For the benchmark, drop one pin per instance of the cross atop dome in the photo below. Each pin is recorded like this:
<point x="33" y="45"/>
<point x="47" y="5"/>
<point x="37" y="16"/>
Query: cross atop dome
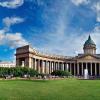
<point x="89" y="38"/>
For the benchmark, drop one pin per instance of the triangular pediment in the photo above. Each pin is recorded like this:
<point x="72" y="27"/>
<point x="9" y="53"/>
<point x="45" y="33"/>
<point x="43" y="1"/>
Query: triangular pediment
<point x="88" y="57"/>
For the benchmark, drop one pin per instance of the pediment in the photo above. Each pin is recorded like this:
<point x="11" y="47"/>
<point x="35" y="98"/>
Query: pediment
<point x="87" y="57"/>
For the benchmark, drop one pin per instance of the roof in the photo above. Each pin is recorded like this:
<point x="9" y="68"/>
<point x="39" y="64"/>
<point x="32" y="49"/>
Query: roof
<point x="89" y="42"/>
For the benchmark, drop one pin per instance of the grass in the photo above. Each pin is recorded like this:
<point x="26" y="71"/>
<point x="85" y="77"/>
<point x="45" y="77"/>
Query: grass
<point x="70" y="89"/>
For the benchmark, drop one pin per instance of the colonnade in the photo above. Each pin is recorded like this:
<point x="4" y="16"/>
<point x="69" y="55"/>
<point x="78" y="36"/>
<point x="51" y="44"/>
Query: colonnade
<point x="47" y="67"/>
<point x="76" y="68"/>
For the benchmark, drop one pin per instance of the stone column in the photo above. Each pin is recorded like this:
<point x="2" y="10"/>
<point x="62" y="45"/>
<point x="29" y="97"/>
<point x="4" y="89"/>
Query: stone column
<point x="51" y="66"/>
<point x="47" y="67"/>
<point x="71" y="68"/>
<point x="39" y="65"/>
<point x="32" y="63"/>
<point x="67" y="66"/>
<point x="43" y="67"/>
<point x="58" y="66"/>
<point x="62" y="66"/>
<point x="35" y="64"/>
<point x="77" y="68"/>
<point x="74" y="70"/>
<point x="55" y="65"/>
<point x="29" y="62"/>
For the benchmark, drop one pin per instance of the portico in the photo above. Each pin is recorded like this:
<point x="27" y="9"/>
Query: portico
<point x="93" y="68"/>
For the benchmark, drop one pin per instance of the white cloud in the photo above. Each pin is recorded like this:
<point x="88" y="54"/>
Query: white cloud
<point x="13" y="40"/>
<point x="95" y="5"/>
<point x="96" y="8"/>
<point x="8" y="21"/>
<point x="78" y="2"/>
<point x="2" y="36"/>
<point x="12" y="3"/>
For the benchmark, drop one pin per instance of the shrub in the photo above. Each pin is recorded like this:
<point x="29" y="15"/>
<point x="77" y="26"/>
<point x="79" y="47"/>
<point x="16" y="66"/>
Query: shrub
<point x="61" y="73"/>
<point x="33" y="72"/>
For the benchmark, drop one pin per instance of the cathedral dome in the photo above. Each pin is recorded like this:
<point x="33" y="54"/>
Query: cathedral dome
<point x="89" y="46"/>
<point x="89" y="42"/>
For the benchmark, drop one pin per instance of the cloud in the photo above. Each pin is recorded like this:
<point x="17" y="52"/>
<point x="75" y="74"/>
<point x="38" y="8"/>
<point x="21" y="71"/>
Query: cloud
<point x="79" y="2"/>
<point x="70" y="44"/>
<point x="12" y="40"/>
<point x="8" y="21"/>
<point x="94" y="4"/>
<point x="96" y="8"/>
<point x="2" y="36"/>
<point x="15" y="40"/>
<point x="60" y="40"/>
<point x="12" y="3"/>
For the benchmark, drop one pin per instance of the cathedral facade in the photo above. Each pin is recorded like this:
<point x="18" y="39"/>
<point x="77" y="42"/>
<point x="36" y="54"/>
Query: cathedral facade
<point x="44" y="63"/>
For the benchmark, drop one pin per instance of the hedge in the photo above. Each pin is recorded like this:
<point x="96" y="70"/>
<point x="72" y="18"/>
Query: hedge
<point x="17" y="71"/>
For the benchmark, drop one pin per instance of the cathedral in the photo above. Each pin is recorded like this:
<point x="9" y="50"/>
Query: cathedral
<point x="45" y="63"/>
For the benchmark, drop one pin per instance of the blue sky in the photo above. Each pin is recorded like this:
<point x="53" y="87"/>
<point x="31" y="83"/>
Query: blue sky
<point x="50" y="26"/>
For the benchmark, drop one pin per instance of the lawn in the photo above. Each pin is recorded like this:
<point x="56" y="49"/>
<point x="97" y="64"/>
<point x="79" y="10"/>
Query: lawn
<point x="69" y="89"/>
